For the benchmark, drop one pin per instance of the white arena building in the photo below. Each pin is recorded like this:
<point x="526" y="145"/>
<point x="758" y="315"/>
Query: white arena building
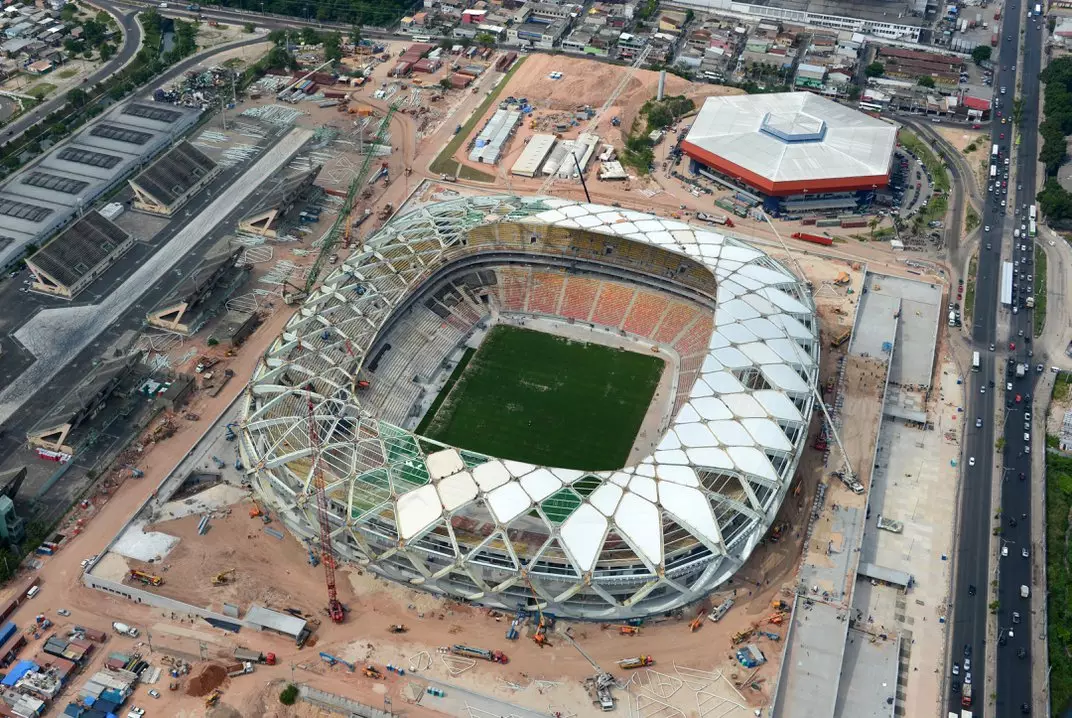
<point x="737" y="329"/>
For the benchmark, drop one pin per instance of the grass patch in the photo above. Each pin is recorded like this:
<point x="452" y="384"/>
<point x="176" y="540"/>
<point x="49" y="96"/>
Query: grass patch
<point x="69" y="72"/>
<point x="971" y="220"/>
<point x="445" y="162"/>
<point x="1061" y="386"/>
<point x="41" y="90"/>
<point x="546" y="400"/>
<point x="447" y="388"/>
<point x="937" y="206"/>
<point x="1040" y="290"/>
<point x="968" y="307"/>
<point x="923" y="151"/>
<point x="1059" y="578"/>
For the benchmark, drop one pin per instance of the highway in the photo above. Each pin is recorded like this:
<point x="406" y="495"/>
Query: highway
<point x="124" y="54"/>
<point x="972" y="590"/>
<point x="1013" y="680"/>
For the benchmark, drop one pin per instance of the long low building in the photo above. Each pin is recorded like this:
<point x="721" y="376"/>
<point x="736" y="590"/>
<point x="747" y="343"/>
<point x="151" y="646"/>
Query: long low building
<point x="169" y="182"/>
<point x="489" y="144"/>
<point x="533" y="156"/>
<point x="48" y="193"/>
<point x="78" y="255"/>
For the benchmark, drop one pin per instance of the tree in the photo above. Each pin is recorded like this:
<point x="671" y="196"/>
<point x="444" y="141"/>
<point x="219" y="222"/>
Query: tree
<point x="332" y="46"/>
<point x="249" y="28"/>
<point x="926" y="81"/>
<point x="445" y="83"/>
<point x="289" y="695"/>
<point x="485" y="38"/>
<point x="77" y="97"/>
<point x="875" y="69"/>
<point x="103" y="18"/>
<point x="873" y="224"/>
<point x="355" y="34"/>
<point x="310" y="36"/>
<point x="68" y="12"/>
<point x="981" y="54"/>
<point x="106" y="52"/>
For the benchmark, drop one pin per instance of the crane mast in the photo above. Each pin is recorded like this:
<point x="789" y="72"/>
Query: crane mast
<point x="327" y="558"/>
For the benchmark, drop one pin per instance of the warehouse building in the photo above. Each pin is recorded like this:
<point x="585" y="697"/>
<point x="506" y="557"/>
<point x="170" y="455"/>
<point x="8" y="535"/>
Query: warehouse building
<point x="489" y="144"/>
<point x="533" y="156"/>
<point x="794" y="152"/>
<point x="199" y="296"/>
<point x="168" y="183"/>
<point x="279" y="198"/>
<point x="78" y="255"/>
<point x="48" y="193"/>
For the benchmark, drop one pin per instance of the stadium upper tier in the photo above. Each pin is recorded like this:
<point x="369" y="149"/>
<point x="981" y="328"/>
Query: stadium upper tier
<point x="637" y="541"/>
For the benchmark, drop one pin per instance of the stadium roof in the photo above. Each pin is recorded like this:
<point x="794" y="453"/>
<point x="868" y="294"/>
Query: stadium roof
<point x="792" y="142"/>
<point x="719" y="472"/>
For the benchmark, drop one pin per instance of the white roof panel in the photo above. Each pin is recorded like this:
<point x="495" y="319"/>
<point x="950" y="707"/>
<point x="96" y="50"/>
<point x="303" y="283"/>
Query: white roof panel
<point x="639" y="521"/>
<point x="540" y="484"/>
<point x="491" y="475"/>
<point x="582" y="534"/>
<point x="444" y="463"/>
<point x="508" y="502"/>
<point x="417" y="510"/>
<point x="457" y="490"/>
<point x="793" y="137"/>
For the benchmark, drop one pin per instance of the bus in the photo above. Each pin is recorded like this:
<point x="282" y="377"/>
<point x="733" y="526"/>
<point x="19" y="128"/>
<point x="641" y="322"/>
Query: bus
<point x="1031" y="213"/>
<point x="422" y="38"/>
<point x="1032" y="230"/>
<point x="975" y="361"/>
<point x="870" y="107"/>
<point x="994" y="150"/>
<point x="993" y="171"/>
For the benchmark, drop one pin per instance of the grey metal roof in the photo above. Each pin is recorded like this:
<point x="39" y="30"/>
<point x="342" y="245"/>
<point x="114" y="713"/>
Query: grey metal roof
<point x="282" y="622"/>
<point x="78" y="249"/>
<point x="175" y="173"/>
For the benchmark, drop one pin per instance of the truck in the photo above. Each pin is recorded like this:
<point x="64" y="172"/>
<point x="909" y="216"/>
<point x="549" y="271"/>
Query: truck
<point x="1021" y="369"/>
<point x="1029" y="302"/>
<point x="813" y="238"/>
<point x="147" y="578"/>
<point x="124" y="630"/>
<point x="720" y="610"/>
<point x="993" y="171"/>
<point x="966" y="696"/>
<point x="1038" y="9"/>
<point x="975" y="361"/>
<point x="714" y="218"/>
<point x="245" y="655"/>
<point x="636" y="662"/>
<point x="239" y="669"/>
<point x="952" y="318"/>
<point x="482" y="653"/>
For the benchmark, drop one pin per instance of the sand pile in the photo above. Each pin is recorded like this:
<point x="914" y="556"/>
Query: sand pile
<point x="205" y="679"/>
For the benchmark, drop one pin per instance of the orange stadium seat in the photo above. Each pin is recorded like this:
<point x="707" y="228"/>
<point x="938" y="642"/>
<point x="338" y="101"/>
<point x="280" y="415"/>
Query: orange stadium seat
<point x="645" y="313"/>
<point x="546" y="289"/>
<point x="695" y="338"/>
<point x="613" y="303"/>
<point x="578" y="298"/>
<point x="677" y="318"/>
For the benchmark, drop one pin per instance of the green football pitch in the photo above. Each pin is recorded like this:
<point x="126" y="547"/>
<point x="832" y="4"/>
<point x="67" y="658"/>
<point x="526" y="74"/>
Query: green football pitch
<point x="546" y="400"/>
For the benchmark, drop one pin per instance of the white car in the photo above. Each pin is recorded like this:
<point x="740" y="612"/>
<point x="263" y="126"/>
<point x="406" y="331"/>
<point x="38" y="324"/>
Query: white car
<point x="1004" y="551"/>
<point x="971" y="461"/>
<point x="63" y="612"/>
<point x="967" y="665"/>
<point x="986" y="228"/>
<point x="1024" y="552"/>
<point x="967" y="678"/>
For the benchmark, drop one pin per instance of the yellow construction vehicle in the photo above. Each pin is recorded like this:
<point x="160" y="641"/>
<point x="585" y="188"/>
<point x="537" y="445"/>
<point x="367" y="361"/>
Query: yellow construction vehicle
<point x="147" y="578"/>
<point x="694" y="624"/>
<point x="212" y="698"/>
<point x="629" y="630"/>
<point x="372" y="672"/>
<point x="542" y="624"/>
<point x="221" y="578"/>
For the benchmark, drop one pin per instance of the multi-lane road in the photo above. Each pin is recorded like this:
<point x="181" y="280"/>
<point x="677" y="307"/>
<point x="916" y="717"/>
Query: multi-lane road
<point x="1001" y="337"/>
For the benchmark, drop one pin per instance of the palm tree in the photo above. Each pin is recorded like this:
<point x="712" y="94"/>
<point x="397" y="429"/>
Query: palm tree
<point x="873" y="224"/>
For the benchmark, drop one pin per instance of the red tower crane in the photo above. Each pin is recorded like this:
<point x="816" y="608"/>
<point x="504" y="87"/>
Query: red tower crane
<point x="327" y="556"/>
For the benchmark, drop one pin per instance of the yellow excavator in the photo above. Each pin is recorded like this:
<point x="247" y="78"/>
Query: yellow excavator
<point x="222" y="577"/>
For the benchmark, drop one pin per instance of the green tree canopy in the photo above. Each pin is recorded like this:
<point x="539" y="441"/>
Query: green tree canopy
<point x="875" y="69"/>
<point x="981" y="54"/>
<point x="925" y="81"/>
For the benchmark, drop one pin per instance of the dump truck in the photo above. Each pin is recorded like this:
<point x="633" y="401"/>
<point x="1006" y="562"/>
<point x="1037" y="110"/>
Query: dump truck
<point x="469" y="652"/>
<point x="397" y="628"/>
<point x="239" y="669"/>
<point x="125" y="630"/>
<point x="244" y="654"/>
<point x="636" y="662"/>
<point x="966" y="695"/>
<point x="714" y="218"/>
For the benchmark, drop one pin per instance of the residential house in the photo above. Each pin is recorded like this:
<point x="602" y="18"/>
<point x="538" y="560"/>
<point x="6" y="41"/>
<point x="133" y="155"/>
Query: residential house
<point x="672" y="22"/>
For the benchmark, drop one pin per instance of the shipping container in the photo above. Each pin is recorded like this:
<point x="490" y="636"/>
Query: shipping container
<point x="847" y="223"/>
<point x="92" y="633"/>
<point x="9" y="629"/>
<point x="828" y="222"/>
<point x="809" y="220"/>
<point x="813" y="238"/>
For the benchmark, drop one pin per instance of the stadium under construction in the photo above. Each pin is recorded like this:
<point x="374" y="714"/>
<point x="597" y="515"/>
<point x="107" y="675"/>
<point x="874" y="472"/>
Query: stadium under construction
<point x="373" y="351"/>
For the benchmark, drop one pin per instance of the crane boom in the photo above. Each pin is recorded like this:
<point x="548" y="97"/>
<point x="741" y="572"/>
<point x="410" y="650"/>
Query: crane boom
<point x="327" y="557"/>
<point x="611" y="98"/>
<point x="344" y="222"/>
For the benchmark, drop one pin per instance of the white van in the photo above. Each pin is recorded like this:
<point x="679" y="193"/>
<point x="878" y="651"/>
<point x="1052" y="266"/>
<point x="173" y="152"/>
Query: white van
<point x="1016" y="233"/>
<point x="34" y="590"/>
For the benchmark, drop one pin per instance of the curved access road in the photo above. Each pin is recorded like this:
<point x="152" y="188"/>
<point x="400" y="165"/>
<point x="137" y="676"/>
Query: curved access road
<point x="122" y="57"/>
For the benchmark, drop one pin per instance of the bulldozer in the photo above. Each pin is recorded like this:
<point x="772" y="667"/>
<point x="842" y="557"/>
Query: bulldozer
<point x="223" y="577"/>
<point x="779" y="605"/>
<point x="741" y="636"/>
<point x="372" y="672"/>
<point x="397" y="628"/>
<point x="212" y="699"/>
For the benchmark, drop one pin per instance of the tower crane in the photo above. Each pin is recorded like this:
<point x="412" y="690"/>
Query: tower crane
<point x="327" y="557"/>
<point x="344" y="223"/>
<point x="611" y="98"/>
